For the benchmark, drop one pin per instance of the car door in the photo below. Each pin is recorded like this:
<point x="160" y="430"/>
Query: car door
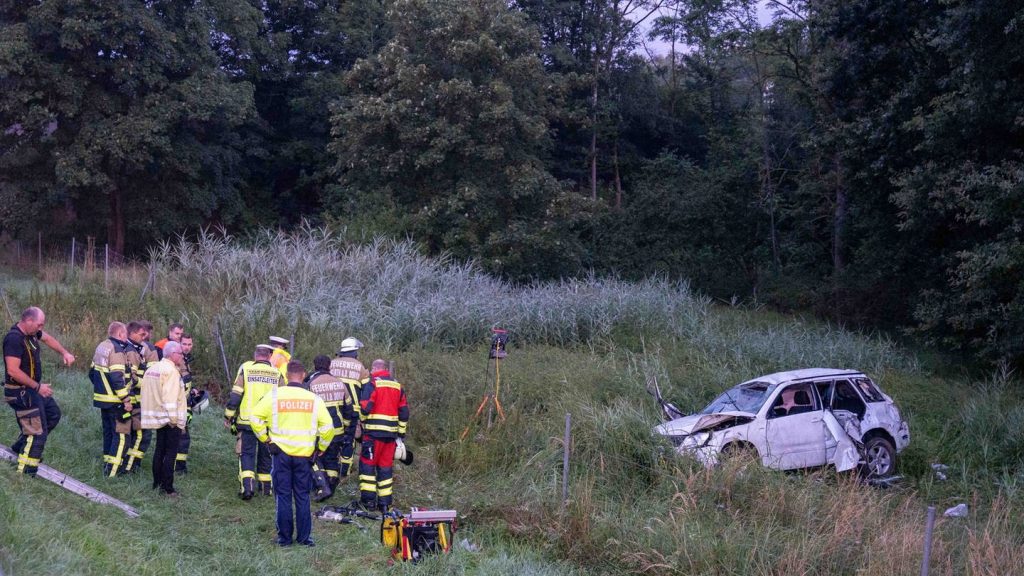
<point x="795" y="432"/>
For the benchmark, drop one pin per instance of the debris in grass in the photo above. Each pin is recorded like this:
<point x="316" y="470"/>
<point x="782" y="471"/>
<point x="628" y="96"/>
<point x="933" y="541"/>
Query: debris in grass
<point x="468" y="546"/>
<point x="958" y="511"/>
<point x="940" y="471"/>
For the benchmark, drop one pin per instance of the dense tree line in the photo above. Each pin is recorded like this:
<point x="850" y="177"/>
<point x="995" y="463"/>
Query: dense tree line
<point x="862" y="158"/>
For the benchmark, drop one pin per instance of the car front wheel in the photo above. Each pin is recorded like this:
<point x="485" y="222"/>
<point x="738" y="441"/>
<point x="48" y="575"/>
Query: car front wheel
<point x="879" y="457"/>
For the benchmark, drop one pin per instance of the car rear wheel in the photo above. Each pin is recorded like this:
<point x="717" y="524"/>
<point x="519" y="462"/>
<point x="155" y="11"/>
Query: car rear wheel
<point x="879" y="458"/>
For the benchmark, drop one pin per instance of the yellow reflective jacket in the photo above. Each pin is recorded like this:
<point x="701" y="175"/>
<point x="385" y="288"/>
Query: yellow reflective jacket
<point x="254" y="379"/>
<point x="279" y="359"/>
<point x="294" y="419"/>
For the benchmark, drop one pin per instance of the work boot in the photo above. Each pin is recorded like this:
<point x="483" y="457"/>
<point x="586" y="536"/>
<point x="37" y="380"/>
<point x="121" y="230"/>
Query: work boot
<point x="180" y="468"/>
<point x="246" y="495"/>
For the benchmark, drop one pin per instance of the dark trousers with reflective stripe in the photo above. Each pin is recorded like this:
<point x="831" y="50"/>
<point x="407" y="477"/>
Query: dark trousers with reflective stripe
<point x="109" y="417"/>
<point x="345" y="449"/>
<point x="37" y="417"/>
<point x="181" y="460"/>
<point x="375" y="472"/>
<point x="292" y="481"/>
<point x="253" y="463"/>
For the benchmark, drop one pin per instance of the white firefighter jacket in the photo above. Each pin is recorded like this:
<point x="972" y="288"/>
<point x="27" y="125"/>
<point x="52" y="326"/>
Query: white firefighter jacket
<point x="163" y="396"/>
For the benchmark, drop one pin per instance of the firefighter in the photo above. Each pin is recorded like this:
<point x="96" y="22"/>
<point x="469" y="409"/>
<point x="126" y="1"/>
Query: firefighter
<point x="174" y="334"/>
<point x="111" y="378"/>
<point x="25" y="392"/>
<point x="351" y="371"/>
<point x="280" y="357"/>
<point x="335" y="395"/>
<point x="164" y="410"/>
<point x="386" y="416"/>
<point x="145" y="354"/>
<point x="295" y="425"/>
<point x="192" y="395"/>
<point x="255" y="378"/>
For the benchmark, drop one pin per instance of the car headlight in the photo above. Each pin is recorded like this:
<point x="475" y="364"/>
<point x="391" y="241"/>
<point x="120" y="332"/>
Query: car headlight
<point x="698" y="440"/>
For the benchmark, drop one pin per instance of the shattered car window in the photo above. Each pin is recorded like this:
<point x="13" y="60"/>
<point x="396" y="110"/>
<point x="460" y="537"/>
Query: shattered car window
<point x="869" y="390"/>
<point x="747" y="397"/>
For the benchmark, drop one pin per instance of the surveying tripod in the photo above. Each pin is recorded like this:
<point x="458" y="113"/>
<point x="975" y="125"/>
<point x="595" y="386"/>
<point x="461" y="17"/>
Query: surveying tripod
<point x="491" y="401"/>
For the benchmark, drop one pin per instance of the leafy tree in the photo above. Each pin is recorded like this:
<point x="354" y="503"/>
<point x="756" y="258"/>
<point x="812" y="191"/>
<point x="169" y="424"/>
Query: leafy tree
<point x="449" y="124"/>
<point x="117" y="115"/>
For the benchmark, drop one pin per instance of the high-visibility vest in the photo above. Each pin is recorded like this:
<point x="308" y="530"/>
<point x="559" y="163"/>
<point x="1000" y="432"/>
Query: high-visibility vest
<point x="110" y="373"/>
<point x="254" y="379"/>
<point x="335" y="395"/>
<point x="279" y="359"/>
<point x="294" y="419"/>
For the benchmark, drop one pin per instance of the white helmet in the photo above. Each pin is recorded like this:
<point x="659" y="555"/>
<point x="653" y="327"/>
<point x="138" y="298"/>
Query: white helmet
<point x="402" y="454"/>
<point x="350" y="344"/>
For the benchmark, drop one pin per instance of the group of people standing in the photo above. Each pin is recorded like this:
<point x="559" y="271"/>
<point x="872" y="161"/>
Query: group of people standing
<point x="296" y="430"/>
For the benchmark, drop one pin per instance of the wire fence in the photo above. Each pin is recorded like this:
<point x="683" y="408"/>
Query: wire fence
<point x="79" y="255"/>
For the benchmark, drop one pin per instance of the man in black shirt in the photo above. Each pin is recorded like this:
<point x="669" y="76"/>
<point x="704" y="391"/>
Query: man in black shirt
<point x="24" y="391"/>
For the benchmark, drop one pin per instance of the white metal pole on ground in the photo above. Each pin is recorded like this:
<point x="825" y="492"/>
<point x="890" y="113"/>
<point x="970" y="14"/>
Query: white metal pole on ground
<point x="929" y="525"/>
<point x="565" y="460"/>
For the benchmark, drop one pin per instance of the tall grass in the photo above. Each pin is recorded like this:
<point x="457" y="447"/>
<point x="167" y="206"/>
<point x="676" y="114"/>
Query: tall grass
<point x="585" y="347"/>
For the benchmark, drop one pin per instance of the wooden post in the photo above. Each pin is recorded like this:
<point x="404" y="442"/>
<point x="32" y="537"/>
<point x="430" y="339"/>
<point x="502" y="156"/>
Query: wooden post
<point x="40" y="250"/>
<point x="928" y="526"/>
<point x="106" y="266"/>
<point x="565" y="460"/>
<point x="223" y="356"/>
<point x="90" y="254"/>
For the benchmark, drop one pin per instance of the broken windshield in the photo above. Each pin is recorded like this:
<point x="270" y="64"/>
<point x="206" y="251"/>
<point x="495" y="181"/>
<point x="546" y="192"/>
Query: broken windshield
<point x="748" y="397"/>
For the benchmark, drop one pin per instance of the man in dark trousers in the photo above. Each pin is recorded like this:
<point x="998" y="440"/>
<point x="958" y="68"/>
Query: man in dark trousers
<point x="24" y="391"/>
<point x="163" y="410"/>
<point x="296" y="427"/>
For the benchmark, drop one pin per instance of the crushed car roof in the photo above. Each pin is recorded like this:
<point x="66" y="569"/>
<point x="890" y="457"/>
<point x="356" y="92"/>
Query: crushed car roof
<point x="805" y="373"/>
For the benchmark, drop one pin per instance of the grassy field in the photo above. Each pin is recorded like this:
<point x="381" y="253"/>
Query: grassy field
<point x="584" y="348"/>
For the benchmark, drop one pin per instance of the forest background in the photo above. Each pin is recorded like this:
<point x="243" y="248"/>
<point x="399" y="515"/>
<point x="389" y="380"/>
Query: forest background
<point x="860" y="159"/>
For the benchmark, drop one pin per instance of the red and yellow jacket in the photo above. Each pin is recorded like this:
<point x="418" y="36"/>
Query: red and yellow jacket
<point x="385" y="407"/>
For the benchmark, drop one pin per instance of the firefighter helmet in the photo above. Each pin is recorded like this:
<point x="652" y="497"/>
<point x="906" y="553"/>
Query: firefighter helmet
<point x="402" y="454"/>
<point x="350" y="344"/>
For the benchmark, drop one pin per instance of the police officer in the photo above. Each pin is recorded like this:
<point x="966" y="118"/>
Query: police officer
<point x="351" y="371"/>
<point x="280" y="357"/>
<point x="386" y="418"/>
<point x="295" y="425"/>
<point x="24" y="390"/>
<point x="335" y="395"/>
<point x="255" y="378"/>
<point x="111" y="377"/>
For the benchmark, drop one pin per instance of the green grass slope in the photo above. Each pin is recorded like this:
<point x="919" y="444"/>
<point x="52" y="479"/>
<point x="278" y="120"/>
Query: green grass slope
<point x="585" y="349"/>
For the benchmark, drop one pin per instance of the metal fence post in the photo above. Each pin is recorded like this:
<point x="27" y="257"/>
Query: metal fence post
<point x="565" y="460"/>
<point x="72" y="253"/>
<point x="929" y="525"/>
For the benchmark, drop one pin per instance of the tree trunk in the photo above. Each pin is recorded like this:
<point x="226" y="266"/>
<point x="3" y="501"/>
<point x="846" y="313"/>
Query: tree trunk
<point x="115" y="228"/>
<point x="593" y="146"/>
<point x="618" y="180"/>
<point x="839" y="234"/>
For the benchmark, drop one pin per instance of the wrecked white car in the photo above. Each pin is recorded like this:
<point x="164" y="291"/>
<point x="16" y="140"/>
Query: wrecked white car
<point x="797" y="419"/>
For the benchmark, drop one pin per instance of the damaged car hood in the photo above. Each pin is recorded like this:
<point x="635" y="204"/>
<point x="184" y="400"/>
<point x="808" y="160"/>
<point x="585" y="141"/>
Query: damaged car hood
<point x="697" y="422"/>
